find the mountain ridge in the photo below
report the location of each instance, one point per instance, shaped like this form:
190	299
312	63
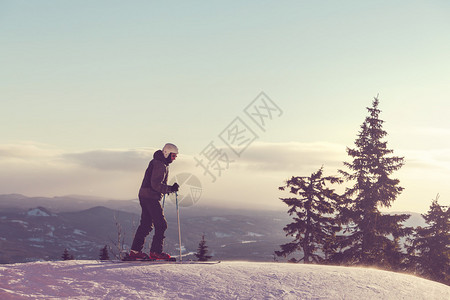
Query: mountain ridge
84	227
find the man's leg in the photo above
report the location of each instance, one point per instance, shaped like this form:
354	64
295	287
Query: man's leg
160	226
145	226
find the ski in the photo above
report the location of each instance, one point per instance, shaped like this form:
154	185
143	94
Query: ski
172	259
194	262
164	261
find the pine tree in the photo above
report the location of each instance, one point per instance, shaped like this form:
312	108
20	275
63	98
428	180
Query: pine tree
202	250
104	253
314	226
430	247
66	255
371	238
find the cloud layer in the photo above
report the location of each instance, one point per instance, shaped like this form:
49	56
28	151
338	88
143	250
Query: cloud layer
111	160
282	157
251	180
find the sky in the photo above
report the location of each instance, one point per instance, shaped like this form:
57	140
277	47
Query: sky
263	90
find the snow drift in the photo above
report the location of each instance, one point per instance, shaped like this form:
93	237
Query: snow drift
80	279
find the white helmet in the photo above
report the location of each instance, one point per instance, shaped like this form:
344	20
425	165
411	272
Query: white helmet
169	148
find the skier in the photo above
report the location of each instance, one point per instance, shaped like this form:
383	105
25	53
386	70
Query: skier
154	186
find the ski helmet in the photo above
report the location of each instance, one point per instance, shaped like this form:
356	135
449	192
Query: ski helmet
169	148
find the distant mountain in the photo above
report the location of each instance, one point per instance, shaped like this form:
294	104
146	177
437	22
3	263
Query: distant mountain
17	202
86	197
39	228
415	220
39	234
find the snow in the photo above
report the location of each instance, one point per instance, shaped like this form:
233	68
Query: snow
51	232
20	222
40	240
36	212
254	234
215	219
222	235
79	232
84	279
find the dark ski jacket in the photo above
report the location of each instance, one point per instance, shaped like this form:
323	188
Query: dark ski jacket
154	184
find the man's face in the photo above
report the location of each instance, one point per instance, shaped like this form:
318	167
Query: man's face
173	156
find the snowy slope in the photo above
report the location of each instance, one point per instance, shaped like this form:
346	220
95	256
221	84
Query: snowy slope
227	280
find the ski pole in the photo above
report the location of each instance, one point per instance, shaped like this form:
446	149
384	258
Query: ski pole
178	218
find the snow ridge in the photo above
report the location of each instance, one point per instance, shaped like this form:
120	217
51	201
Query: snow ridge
228	280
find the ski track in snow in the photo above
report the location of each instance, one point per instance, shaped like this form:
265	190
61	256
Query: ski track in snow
80	279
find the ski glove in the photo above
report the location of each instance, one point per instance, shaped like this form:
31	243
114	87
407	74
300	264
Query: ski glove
174	187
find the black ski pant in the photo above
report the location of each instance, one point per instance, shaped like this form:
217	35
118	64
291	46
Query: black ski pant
152	215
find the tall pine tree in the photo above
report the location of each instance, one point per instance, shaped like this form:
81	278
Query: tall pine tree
314	225
370	237
430	247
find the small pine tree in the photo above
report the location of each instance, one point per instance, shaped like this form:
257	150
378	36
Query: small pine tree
430	244
202	250
66	255
314	225
104	253
370	237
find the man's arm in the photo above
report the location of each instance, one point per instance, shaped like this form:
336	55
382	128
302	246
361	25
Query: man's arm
157	179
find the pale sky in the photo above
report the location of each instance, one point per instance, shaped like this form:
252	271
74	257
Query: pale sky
89	89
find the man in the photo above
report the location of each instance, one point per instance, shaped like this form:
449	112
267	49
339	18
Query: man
154	186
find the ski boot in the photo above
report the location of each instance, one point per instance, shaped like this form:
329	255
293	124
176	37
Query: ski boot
161	256
135	255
